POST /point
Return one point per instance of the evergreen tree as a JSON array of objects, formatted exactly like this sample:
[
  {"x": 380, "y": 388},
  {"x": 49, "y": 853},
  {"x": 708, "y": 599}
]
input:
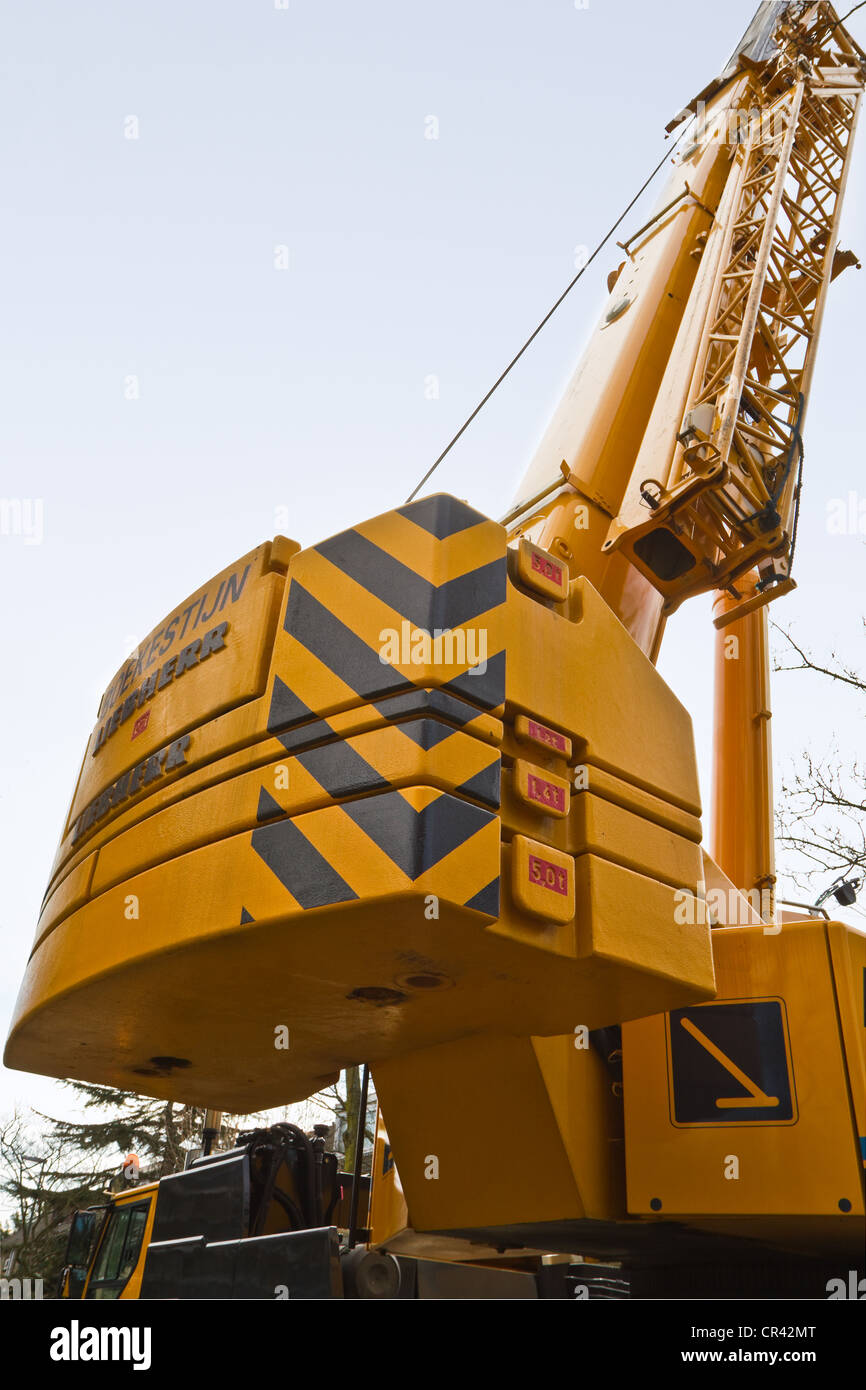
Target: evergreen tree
[
  {"x": 42, "y": 1191},
  {"x": 48, "y": 1173},
  {"x": 70, "y": 1164},
  {"x": 159, "y": 1132}
]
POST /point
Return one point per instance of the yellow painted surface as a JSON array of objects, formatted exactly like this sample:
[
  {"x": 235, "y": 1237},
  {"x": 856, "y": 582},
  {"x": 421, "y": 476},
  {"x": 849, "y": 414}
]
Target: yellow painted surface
[
  {"x": 742, "y": 840},
  {"x": 330, "y": 828},
  {"x": 231, "y": 806},
  {"x": 227, "y": 677},
  {"x": 541, "y": 738},
  {"x": 597, "y": 429},
  {"x": 389, "y": 1214},
  {"x": 848, "y": 957},
  {"x": 540, "y": 792},
  {"x": 542, "y": 880},
  {"x": 180, "y": 934},
  {"x": 588, "y": 676},
  {"x": 454, "y": 1172},
  {"x": 796, "y": 1150},
  {"x": 542, "y": 572},
  {"x": 69, "y": 892},
  {"x": 603, "y": 828}
]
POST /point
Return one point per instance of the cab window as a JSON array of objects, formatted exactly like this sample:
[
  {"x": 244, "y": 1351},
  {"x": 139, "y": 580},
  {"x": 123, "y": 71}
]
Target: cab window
[
  {"x": 83, "y": 1233},
  {"x": 118, "y": 1250}
]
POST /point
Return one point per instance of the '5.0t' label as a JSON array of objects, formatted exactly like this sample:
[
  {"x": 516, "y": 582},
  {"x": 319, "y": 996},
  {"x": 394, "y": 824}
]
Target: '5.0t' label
[
  {"x": 548, "y": 875},
  {"x": 542, "y": 879}
]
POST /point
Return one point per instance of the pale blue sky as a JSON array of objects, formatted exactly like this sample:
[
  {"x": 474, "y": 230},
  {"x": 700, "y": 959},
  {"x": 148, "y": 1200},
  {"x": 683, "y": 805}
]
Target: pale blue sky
[{"x": 304, "y": 389}]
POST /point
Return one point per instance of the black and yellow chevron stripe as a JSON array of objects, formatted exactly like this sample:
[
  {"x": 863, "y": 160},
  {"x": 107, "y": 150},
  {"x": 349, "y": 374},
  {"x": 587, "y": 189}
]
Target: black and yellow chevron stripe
[
  {"x": 357, "y": 728},
  {"x": 435, "y": 565},
  {"x": 406, "y": 710},
  {"x": 424, "y": 751},
  {"x": 418, "y": 839}
]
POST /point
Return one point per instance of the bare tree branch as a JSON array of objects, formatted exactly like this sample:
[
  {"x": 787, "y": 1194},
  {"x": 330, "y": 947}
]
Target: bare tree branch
[
  {"x": 821, "y": 820},
  {"x": 840, "y": 673}
]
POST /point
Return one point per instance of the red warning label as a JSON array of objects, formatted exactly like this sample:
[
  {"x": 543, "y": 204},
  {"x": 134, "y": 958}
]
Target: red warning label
[{"x": 547, "y": 875}]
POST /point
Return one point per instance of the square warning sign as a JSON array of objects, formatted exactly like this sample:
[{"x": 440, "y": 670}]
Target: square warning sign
[{"x": 730, "y": 1064}]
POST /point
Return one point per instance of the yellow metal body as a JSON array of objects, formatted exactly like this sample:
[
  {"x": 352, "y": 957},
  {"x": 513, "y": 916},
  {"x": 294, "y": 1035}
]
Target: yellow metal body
[
  {"x": 418, "y": 795},
  {"x": 582, "y": 467},
  {"x": 471, "y": 1121},
  {"x": 338, "y": 845},
  {"x": 626, "y": 401},
  {"x": 742, "y": 1118},
  {"x": 742, "y": 840},
  {"x": 710, "y": 1141}
]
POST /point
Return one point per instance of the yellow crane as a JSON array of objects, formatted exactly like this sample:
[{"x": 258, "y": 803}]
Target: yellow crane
[{"x": 417, "y": 797}]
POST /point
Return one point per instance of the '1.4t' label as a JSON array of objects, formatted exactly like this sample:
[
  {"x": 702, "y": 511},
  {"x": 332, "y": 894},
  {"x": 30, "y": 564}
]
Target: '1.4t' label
[{"x": 545, "y": 793}]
